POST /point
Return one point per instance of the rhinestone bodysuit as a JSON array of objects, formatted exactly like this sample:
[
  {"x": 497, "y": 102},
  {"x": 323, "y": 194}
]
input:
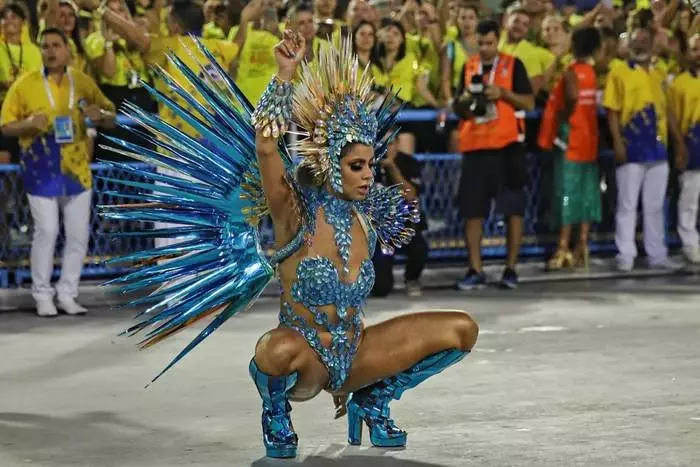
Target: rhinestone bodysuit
[{"x": 318, "y": 283}]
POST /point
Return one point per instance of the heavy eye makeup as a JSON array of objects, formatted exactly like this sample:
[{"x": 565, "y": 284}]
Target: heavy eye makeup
[{"x": 358, "y": 165}]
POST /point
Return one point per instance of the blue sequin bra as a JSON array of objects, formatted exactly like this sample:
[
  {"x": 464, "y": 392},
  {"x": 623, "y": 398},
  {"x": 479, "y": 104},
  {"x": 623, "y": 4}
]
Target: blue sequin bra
[{"x": 318, "y": 283}]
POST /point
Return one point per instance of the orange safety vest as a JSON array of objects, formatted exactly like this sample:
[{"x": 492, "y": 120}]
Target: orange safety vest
[
  {"x": 582, "y": 143},
  {"x": 509, "y": 127}
]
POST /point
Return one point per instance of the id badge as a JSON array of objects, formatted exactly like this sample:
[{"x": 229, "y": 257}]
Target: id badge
[{"x": 63, "y": 129}]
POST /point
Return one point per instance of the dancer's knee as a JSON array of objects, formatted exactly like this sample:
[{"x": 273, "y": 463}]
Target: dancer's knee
[
  {"x": 277, "y": 352},
  {"x": 467, "y": 331}
]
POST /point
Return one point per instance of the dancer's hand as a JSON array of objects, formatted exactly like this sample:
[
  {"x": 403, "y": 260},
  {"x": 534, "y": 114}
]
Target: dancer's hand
[
  {"x": 289, "y": 53},
  {"x": 340, "y": 401}
]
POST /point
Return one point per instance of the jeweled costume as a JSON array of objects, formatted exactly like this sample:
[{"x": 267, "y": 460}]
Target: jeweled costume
[{"x": 218, "y": 267}]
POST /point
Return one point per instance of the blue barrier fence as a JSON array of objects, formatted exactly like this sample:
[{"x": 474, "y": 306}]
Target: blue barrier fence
[{"x": 445, "y": 236}]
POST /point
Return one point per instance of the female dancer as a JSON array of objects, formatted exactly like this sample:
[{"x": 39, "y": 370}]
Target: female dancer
[{"x": 327, "y": 216}]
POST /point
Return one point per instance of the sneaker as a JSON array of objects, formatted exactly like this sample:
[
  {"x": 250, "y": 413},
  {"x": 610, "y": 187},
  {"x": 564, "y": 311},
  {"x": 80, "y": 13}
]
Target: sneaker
[
  {"x": 472, "y": 281},
  {"x": 509, "y": 280},
  {"x": 70, "y": 307},
  {"x": 624, "y": 265},
  {"x": 666, "y": 264},
  {"x": 413, "y": 289},
  {"x": 46, "y": 308},
  {"x": 692, "y": 255}
]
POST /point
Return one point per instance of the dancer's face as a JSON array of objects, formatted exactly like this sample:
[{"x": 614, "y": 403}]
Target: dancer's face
[{"x": 356, "y": 167}]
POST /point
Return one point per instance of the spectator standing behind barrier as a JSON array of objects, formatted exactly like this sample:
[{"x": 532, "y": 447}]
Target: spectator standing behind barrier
[
  {"x": 17, "y": 56},
  {"x": 514, "y": 43},
  {"x": 684, "y": 100},
  {"x": 120, "y": 71},
  {"x": 570, "y": 123},
  {"x": 46, "y": 109},
  {"x": 399, "y": 167},
  {"x": 639, "y": 125},
  {"x": 495, "y": 87}
]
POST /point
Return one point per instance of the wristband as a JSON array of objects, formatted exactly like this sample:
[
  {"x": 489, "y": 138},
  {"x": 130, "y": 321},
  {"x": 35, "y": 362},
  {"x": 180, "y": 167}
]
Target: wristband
[{"x": 274, "y": 112}]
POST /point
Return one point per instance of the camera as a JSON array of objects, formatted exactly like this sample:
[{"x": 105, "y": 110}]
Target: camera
[{"x": 479, "y": 103}]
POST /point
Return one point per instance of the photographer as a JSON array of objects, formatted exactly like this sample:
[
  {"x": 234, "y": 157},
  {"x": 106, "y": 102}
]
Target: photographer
[{"x": 494, "y": 88}]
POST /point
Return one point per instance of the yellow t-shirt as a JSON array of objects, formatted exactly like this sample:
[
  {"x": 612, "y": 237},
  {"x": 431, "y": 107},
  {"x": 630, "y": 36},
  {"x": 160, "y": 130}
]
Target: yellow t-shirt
[
  {"x": 51, "y": 168},
  {"x": 684, "y": 101},
  {"x": 223, "y": 51},
  {"x": 128, "y": 61},
  {"x": 640, "y": 97},
  {"x": 16, "y": 59},
  {"x": 24, "y": 34},
  {"x": 256, "y": 63},
  {"x": 212, "y": 31},
  {"x": 402, "y": 77},
  {"x": 429, "y": 62},
  {"x": 528, "y": 53}
]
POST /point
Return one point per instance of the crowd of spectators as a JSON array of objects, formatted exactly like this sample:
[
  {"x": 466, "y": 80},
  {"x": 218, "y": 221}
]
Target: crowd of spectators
[{"x": 426, "y": 50}]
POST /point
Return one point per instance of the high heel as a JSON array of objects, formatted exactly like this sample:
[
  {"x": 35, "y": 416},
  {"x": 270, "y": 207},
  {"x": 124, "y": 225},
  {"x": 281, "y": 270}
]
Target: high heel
[
  {"x": 581, "y": 256},
  {"x": 371, "y": 403},
  {"x": 562, "y": 258},
  {"x": 279, "y": 437}
]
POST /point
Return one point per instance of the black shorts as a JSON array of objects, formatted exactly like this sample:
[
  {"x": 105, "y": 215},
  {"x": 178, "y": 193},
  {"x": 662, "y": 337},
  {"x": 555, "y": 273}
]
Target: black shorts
[
  {"x": 496, "y": 176},
  {"x": 11, "y": 145}
]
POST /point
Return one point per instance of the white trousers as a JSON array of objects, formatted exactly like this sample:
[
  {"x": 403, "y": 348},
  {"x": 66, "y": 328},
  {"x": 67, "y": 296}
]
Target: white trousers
[
  {"x": 651, "y": 180},
  {"x": 688, "y": 209},
  {"x": 76, "y": 222}
]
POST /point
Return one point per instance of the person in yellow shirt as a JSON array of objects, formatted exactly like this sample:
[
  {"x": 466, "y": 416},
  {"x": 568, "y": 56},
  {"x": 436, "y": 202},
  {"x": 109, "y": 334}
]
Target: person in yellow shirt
[
  {"x": 300, "y": 18},
  {"x": 46, "y": 109},
  {"x": 120, "y": 71},
  {"x": 185, "y": 19},
  {"x": 255, "y": 64},
  {"x": 639, "y": 121},
  {"x": 398, "y": 69},
  {"x": 16, "y": 57},
  {"x": 684, "y": 100},
  {"x": 514, "y": 43},
  {"x": 458, "y": 49},
  {"x": 220, "y": 25},
  {"x": 326, "y": 25}
]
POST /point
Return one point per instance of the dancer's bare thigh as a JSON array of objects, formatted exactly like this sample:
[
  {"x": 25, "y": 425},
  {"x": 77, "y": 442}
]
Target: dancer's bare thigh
[
  {"x": 285, "y": 351},
  {"x": 395, "y": 345}
]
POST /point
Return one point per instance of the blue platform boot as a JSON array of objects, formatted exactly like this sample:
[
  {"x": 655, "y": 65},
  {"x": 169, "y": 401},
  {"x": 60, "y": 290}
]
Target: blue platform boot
[
  {"x": 371, "y": 404},
  {"x": 279, "y": 437}
]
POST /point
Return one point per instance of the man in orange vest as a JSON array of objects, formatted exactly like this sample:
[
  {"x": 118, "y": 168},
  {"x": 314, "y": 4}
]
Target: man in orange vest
[{"x": 496, "y": 90}]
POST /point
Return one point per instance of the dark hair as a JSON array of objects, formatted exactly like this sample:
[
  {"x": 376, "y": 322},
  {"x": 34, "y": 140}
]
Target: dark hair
[
  {"x": 15, "y": 8},
  {"x": 373, "y": 52},
  {"x": 305, "y": 175},
  {"x": 642, "y": 19},
  {"x": 300, "y": 7},
  {"x": 75, "y": 34},
  {"x": 381, "y": 48},
  {"x": 53, "y": 30},
  {"x": 469, "y": 6},
  {"x": 189, "y": 15},
  {"x": 487, "y": 26},
  {"x": 585, "y": 41}
]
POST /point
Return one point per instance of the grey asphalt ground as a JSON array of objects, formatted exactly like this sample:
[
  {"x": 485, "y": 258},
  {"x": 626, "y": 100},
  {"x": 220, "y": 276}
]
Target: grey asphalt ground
[{"x": 597, "y": 373}]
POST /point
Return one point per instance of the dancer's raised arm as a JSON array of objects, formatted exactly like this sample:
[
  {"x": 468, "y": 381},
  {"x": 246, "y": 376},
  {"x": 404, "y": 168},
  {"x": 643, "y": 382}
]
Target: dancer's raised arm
[{"x": 272, "y": 118}]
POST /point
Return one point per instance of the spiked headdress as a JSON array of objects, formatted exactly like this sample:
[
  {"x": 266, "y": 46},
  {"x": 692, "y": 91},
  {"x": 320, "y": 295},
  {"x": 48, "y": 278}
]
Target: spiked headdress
[{"x": 333, "y": 104}]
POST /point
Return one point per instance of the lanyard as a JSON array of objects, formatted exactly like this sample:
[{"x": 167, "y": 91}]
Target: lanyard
[
  {"x": 492, "y": 73},
  {"x": 15, "y": 69},
  {"x": 71, "y": 94}
]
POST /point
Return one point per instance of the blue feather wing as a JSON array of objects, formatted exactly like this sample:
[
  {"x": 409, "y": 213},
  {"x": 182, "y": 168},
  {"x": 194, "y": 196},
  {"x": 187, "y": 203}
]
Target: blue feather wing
[
  {"x": 211, "y": 191},
  {"x": 391, "y": 215}
]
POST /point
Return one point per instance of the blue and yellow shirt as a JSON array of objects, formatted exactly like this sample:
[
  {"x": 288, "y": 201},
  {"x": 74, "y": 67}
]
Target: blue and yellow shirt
[
  {"x": 640, "y": 97},
  {"x": 50, "y": 168},
  {"x": 684, "y": 101}
]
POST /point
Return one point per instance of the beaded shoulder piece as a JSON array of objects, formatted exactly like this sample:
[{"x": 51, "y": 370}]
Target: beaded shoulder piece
[{"x": 212, "y": 191}]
